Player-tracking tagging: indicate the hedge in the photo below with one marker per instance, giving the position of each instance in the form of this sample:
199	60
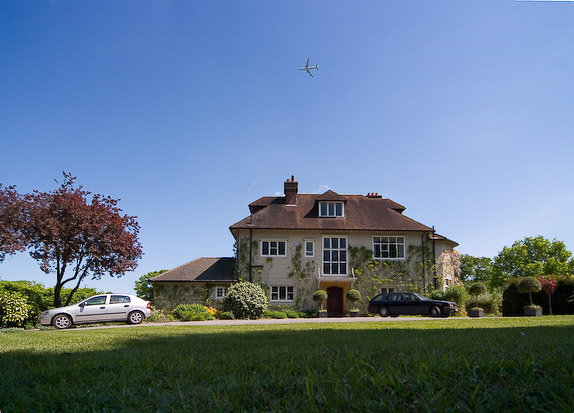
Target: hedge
562	299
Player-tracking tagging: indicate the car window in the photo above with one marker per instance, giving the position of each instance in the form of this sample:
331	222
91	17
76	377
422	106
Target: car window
409	297
116	299
395	297
99	300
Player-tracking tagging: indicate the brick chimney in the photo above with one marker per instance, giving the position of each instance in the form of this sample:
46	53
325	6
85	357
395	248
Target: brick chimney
291	186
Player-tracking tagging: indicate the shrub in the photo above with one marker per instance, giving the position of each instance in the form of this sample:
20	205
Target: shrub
320	296
227	315
353	295
14	309
293	314
245	300
274	314
159	316
437	295
490	302
191	312
458	294
477	289
529	285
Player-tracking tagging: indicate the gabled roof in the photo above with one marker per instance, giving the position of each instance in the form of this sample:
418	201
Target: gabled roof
201	270
362	213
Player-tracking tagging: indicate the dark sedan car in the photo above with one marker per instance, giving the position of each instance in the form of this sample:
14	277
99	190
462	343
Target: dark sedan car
395	304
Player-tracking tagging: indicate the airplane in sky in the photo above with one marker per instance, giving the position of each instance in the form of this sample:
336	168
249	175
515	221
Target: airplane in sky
308	68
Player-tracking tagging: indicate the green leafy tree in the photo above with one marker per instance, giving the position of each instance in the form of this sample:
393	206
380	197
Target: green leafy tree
475	269
144	288
530	257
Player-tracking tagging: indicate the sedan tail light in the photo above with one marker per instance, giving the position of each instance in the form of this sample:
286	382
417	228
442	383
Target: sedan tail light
148	304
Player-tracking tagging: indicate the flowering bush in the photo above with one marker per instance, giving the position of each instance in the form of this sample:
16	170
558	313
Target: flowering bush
245	300
14	309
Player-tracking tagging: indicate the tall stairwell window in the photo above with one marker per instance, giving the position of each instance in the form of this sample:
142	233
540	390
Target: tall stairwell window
334	256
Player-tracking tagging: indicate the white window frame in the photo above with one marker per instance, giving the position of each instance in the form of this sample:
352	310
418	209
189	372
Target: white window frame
312	243
270	248
340	252
282	293
392	241
387	290
217	290
329	209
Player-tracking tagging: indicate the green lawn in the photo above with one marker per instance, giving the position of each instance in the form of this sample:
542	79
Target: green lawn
514	364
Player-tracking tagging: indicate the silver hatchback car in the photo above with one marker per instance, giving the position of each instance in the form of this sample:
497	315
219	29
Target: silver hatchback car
100	308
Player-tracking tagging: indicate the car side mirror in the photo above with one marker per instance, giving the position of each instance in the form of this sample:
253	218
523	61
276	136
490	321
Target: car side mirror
82	304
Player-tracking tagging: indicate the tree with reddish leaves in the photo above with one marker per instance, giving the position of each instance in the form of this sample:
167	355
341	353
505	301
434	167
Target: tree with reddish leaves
548	286
12	238
74	234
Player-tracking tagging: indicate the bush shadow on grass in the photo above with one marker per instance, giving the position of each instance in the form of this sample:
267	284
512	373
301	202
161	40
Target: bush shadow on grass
304	368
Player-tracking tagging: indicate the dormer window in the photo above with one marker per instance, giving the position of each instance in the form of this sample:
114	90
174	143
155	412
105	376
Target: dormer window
331	209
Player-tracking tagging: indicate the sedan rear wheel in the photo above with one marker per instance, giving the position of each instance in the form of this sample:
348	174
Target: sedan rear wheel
435	311
62	321
135	317
384	312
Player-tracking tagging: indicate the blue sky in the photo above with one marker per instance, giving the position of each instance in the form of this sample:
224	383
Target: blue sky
459	110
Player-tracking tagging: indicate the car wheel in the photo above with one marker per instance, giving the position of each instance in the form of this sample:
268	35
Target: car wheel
435	311
384	312
62	321
135	317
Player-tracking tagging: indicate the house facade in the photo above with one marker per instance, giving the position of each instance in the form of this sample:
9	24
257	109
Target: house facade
298	243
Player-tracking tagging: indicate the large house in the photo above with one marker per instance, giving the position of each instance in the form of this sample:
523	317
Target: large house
298	243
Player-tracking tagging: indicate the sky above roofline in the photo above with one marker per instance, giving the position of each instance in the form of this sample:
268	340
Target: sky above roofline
460	110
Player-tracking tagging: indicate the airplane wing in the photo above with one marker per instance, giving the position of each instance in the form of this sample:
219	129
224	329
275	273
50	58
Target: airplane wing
309	72
307	64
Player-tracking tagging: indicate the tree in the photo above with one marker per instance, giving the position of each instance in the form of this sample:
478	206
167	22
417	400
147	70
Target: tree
530	257
477	289
549	286
529	285
475	269
12	238
74	234
144	288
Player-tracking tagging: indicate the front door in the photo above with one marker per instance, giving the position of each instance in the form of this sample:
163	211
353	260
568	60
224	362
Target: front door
334	301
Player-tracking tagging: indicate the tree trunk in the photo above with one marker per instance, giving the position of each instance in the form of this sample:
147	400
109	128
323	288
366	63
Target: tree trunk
57	298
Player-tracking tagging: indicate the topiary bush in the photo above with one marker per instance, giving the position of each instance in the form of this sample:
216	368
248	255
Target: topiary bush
245	300
14	309
191	312
475	290
320	296
529	285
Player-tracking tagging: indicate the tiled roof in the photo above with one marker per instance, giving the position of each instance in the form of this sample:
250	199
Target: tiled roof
201	270
362	213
